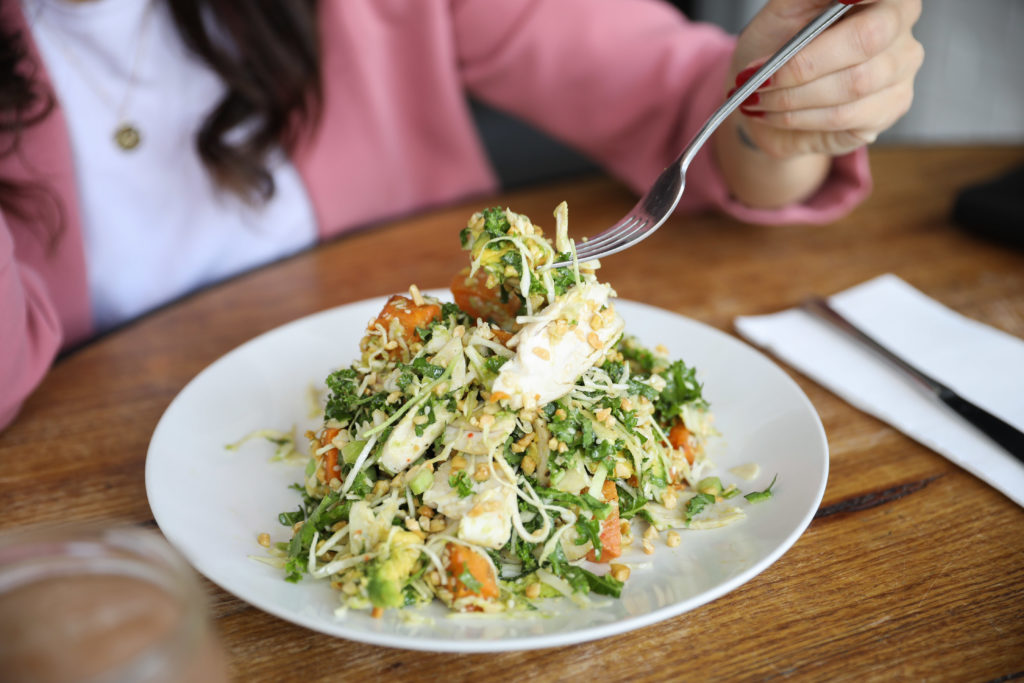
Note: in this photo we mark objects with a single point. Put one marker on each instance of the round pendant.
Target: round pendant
(127, 136)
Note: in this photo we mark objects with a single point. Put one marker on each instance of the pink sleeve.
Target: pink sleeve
(626, 82)
(31, 329)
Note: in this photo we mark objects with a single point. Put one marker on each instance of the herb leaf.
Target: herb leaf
(330, 511)
(696, 504)
(760, 496)
(470, 581)
(589, 530)
(461, 483)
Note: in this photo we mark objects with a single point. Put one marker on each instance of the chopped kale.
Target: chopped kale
(632, 351)
(564, 278)
(583, 500)
(581, 580)
(681, 387)
(494, 363)
(495, 222)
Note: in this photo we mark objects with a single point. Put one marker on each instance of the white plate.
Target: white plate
(212, 503)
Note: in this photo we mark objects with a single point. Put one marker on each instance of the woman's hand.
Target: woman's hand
(837, 94)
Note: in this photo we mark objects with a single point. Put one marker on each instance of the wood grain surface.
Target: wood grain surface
(912, 569)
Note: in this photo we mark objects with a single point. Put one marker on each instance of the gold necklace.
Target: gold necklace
(126, 134)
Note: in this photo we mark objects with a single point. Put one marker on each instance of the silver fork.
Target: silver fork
(661, 199)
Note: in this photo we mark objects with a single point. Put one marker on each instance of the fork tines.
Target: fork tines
(622, 235)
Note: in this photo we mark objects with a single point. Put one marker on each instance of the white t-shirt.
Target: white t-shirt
(156, 226)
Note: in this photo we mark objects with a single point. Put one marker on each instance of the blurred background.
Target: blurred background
(969, 91)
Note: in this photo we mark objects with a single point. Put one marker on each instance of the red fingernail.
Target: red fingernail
(849, 2)
(743, 76)
(751, 101)
(754, 114)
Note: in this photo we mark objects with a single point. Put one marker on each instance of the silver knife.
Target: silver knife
(1006, 435)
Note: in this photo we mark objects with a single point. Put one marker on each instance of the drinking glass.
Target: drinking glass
(87, 603)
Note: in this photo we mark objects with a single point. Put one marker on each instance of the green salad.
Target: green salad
(496, 451)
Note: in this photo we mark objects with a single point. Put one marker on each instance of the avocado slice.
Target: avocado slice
(387, 574)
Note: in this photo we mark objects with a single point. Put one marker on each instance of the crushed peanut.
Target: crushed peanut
(673, 539)
(541, 353)
(264, 540)
(619, 572)
(532, 591)
(594, 340)
(458, 463)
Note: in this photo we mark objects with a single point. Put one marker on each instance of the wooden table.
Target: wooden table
(913, 568)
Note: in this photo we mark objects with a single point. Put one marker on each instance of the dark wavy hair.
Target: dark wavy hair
(266, 52)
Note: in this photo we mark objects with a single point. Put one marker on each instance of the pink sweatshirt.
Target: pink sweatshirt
(626, 82)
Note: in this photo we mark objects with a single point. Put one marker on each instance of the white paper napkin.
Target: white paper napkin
(981, 363)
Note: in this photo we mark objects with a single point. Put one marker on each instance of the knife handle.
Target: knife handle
(1002, 433)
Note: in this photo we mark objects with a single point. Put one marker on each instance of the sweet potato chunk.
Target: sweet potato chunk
(408, 314)
(480, 301)
(481, 579)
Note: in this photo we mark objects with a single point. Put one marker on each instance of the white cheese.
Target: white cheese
(560, 344)
(404, 445)
(485, 517)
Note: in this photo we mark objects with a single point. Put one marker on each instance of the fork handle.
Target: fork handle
(808, 33)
